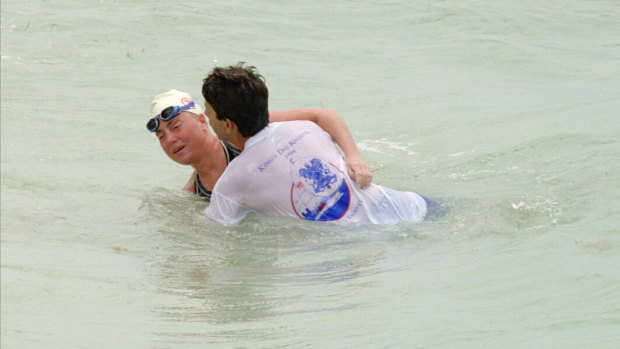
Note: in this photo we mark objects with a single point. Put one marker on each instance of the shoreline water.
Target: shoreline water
(508, 111)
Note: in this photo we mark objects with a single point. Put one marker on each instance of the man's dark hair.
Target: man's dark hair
(238, 93)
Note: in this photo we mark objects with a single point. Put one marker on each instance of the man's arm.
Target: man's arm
(331, 122)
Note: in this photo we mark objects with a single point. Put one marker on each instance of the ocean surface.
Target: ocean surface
(506, 110)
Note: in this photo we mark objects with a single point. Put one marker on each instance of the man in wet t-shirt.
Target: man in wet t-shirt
(291, 169)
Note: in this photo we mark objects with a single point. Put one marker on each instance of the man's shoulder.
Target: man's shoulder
(299, 122)
(286, 128)
(292, 124)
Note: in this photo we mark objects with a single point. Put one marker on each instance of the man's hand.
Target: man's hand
(358, 171)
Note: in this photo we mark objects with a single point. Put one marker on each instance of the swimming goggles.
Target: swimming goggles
(167, 114)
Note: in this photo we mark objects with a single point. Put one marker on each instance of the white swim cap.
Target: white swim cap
(174, 97)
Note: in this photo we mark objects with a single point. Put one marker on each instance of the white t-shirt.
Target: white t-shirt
(294, 169)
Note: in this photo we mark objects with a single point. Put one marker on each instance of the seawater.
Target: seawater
(506, 110)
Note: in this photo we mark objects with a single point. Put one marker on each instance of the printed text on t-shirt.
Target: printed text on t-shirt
(287, 150)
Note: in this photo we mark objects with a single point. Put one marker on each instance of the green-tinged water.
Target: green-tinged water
(507, 111)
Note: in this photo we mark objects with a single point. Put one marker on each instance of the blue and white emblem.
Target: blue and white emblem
(319, 191)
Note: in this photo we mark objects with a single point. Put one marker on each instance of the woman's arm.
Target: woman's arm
(189, 187)
(331, 122)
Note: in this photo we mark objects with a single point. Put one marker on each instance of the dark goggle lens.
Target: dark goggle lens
(152, 125)
(169, 113)
(165, 115)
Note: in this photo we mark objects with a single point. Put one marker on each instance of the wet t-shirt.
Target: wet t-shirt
(294, 169)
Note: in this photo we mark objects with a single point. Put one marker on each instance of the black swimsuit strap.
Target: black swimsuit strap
(231, 153)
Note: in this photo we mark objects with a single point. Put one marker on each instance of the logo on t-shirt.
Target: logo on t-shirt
(319, 191)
